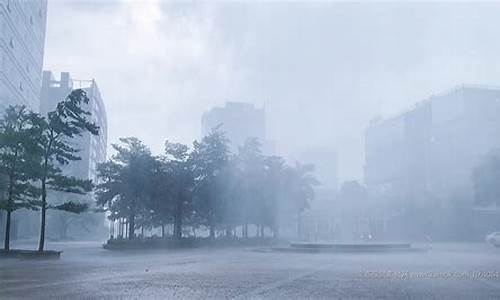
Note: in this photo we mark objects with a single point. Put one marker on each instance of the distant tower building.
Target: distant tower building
(239, 121)
(92, 148)
(22, 39)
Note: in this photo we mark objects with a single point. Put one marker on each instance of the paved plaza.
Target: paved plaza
(86, 271)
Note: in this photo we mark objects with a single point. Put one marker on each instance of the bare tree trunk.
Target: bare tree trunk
(212, 231)
(212, 226)
(111, 224)
(162, 230)
(262, 231)
(131, 227)
(178, 219)
(125, 228)
(7, 232)
(111, 229)
(245, 230)
(9, 214)
(44, 198)
(120, 227)
(298, 225)
(276, 231)
(44, 212)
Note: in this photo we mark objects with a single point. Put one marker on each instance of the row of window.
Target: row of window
(15, 80)
(21, 39)
(8, 96)
(21, 69)
(31, 13)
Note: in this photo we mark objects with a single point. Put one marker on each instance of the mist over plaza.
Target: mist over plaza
(251, 150)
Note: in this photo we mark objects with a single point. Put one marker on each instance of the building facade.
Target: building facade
(22, 39)
(92, 151)
(426, 156)
(92, 147)
(239, 121)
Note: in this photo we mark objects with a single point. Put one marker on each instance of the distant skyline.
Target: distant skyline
(324, 70)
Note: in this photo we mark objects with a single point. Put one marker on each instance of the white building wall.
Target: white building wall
(22, 39)
(92, 148)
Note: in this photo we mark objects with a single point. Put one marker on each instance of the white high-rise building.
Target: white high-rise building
(92, 148)
(92, 151)
(22, 40)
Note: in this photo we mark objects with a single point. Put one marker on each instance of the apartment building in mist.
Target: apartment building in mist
(429, 152)
(92, 147)
(92, 151)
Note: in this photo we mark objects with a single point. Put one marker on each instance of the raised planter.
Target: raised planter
(30, 254)
(169, 243)
(348, 248)
(122, 244)
(356, 246)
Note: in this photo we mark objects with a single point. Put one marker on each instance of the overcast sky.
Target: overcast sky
(323, 70)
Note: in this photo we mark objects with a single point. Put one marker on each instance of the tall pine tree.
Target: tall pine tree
(19, 156)
(70, 119)
(210, 157)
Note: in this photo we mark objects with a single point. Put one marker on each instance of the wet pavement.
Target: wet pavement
(86, 271)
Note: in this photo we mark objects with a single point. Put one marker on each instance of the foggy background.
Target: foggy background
(322, 70)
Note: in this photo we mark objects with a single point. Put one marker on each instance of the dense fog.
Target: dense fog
(254, 129)
(322, 72)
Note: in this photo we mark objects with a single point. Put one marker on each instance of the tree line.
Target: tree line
(34, 148)
(203, 186)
